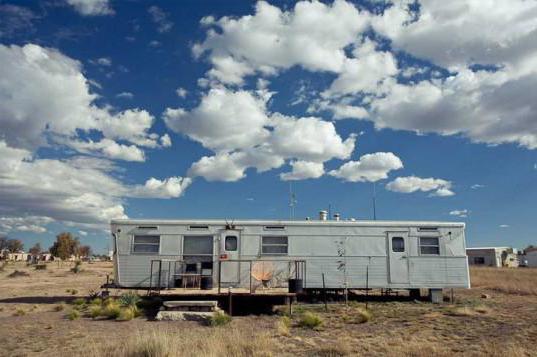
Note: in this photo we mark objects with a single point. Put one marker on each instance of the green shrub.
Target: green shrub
(310, 320)
(129, 299)
(112, 309)
(126, 314)
(19, 312)
(79, 301)
(219, 318)
(73, 315)
(96, 302)
(59, 307)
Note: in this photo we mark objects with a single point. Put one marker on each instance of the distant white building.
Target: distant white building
(493, 256)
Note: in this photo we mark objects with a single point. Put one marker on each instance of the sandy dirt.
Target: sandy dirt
(482, 321)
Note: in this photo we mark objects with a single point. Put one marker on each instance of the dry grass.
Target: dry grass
(190, 342)
(521, 281)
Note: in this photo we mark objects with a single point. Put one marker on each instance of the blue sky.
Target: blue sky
(147, 109)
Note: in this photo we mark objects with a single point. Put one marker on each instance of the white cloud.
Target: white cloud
(303, 170)
(161, 18)
(102, 61)
(126, 95)
(365, 72)
(476, 186)
(31, 76)
(83, 233)
(312, 35)
(463, 213)
(109, 148)
(171, 187)
(181, 92)
(237, 126)
(504, 226)
(370, 167)
(224, 120)
(409, 184)
(35, 224)
(91, 7)
(165, 141)
(77, 191)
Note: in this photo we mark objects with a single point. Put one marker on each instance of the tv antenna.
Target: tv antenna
(292, 202)
(374, 202)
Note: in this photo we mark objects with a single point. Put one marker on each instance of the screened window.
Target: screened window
(231, 243)
(429, 246)
(198, 245)
(146, 244)
(274, 245)
(398, 244)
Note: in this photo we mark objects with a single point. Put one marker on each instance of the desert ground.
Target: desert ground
(498, 317)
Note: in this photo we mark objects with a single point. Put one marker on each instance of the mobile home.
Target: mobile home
(493, 256)
(246, 253)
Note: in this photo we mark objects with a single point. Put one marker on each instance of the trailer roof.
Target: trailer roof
(243, 222)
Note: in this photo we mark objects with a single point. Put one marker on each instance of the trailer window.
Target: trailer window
(429, 246)
(479, 260)
(146, 244)
(198, 245)
(398, 244)
(231, 243)
(274, 245)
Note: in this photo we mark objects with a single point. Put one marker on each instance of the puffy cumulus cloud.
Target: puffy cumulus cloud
(312, 35)
(409, 184)
(169, 188)
(224, 120)
(35, 224)
(237, 126)
(309, 138)
(160, 18)
(365, 72)
(109, 148)
(369, 168)
(488, 107)
(302, 170)
(91, 7)
(463, 213)
(31, 76)
(456, 34)
(78, 191)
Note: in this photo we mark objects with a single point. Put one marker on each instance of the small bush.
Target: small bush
(74, 291)
(219, 318)
(310, 320)
(18, 274)
(95, 311)
(112, 309)
(283, 325)
(59, 307)
(96, 302)
(19, 312)
(358, 316)
(79, 301)
(77, 268)
(126, 314)
(73, 315)
(129, 299)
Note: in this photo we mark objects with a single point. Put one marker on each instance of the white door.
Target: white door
(229, 251)
(398, 257)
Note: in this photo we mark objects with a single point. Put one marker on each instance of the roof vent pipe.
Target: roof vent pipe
(336, 217)
(323, 215)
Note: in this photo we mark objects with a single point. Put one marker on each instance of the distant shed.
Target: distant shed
(492, 256)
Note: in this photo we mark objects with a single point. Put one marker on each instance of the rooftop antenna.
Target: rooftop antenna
(329, 211)
(374, 202)
(292, 202)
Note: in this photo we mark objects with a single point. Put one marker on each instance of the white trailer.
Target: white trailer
(349, 254)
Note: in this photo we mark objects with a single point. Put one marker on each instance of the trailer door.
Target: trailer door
(229, 253)
(398, 257)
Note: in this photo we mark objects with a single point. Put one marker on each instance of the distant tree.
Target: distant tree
(14, 245)
(64, 246)
(36, 249)
(84, 251)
